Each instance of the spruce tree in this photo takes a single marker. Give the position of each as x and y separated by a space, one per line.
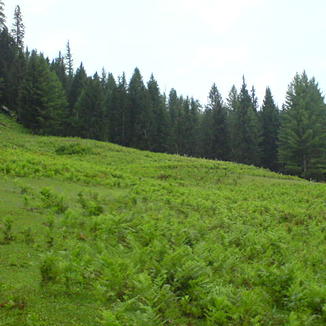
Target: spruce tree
18 30
218 142
270 123
140 113
43 99
173 116
159 128
120 132
110 107
59 67
245 130
192 127
2 16
302 148
69 62
8 55
90 109
78 84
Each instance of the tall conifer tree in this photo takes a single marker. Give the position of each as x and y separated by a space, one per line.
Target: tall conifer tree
216 136
18 29
2 16
302 148
159 129
141 117
270 123
43 98
245 129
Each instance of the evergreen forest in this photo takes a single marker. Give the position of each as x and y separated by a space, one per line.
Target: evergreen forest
50 97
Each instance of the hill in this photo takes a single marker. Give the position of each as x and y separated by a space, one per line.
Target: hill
97 234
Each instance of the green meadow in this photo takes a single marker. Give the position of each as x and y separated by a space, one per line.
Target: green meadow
95 234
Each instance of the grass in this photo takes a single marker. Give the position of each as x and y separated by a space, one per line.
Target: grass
92 233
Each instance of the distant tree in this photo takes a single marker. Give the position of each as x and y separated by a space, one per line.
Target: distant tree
69 61
90 108
59 67
159 128
8 55
2 16
254 99
15 81
216 133
121 121
140 113
270 123
191 129
302 148
18 30
173 116
245 130
43 98
78 84
110 106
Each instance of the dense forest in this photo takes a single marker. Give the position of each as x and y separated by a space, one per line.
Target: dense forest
50 97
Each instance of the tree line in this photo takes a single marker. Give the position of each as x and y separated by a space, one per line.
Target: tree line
50 97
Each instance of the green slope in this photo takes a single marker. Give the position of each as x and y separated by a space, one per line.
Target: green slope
92 233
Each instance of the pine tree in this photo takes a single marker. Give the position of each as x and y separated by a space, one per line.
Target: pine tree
8 55
159 128
216 137
173 116
43 99
245 130
90 108
78 84
59 67
18 30
69 62
191 129
110 107
270 122
302 148
2 16
139 112
254 99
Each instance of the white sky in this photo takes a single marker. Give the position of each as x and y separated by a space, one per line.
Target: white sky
187 44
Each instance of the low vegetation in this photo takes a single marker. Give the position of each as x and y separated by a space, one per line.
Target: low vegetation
92 233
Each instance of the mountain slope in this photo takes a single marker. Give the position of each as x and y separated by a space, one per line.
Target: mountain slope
96 234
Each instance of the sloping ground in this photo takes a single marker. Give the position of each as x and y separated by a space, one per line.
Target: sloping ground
96 234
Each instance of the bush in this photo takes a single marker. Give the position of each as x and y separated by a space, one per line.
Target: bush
73 149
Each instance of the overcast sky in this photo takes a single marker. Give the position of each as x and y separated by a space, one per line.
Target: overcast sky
187 44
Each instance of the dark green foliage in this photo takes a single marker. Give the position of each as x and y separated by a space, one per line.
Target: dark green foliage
76 87
302 136
18 30
69 62
159 128
90 110
215 127
43 99
270 123
59 67
53 99
245 130
2 16
8 54
140 115
73 149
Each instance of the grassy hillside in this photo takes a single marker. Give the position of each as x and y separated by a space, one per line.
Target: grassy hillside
93 234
